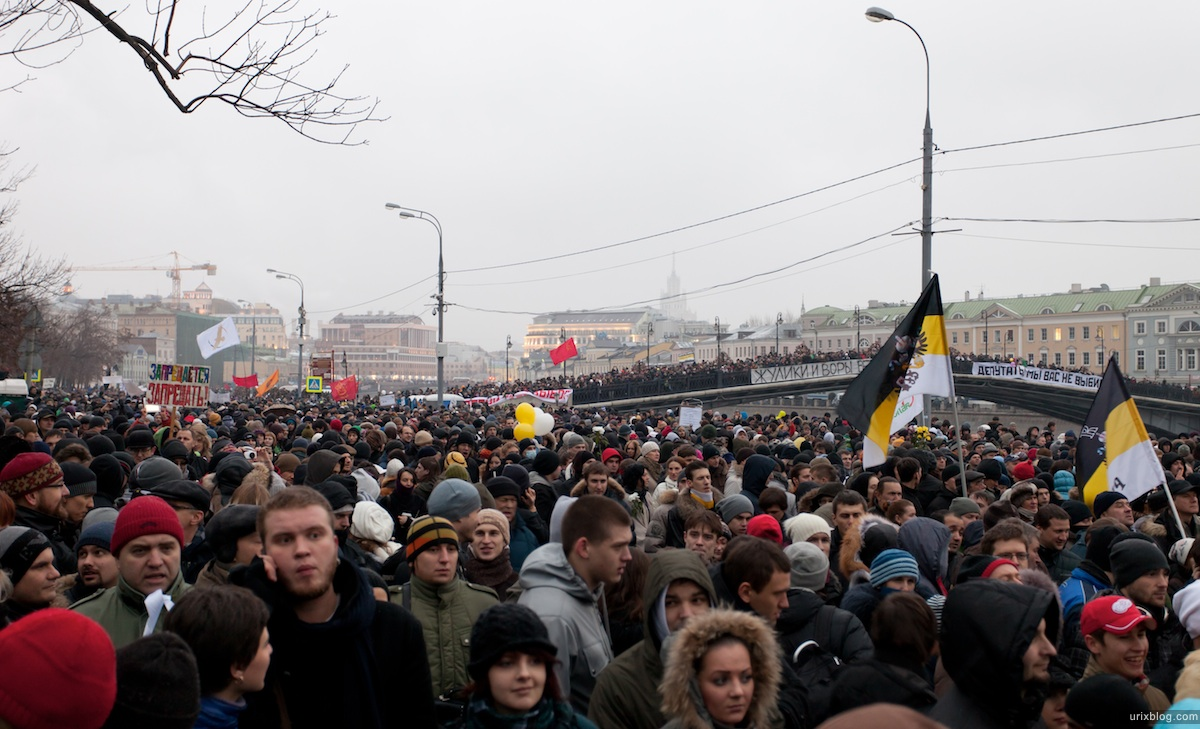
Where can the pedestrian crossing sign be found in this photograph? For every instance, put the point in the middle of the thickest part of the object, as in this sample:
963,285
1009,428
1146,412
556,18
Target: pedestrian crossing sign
315,384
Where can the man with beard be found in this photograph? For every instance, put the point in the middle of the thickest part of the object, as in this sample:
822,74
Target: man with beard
341,657
97,565
35,482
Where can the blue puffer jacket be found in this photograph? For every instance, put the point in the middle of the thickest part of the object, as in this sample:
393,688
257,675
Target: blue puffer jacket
521,542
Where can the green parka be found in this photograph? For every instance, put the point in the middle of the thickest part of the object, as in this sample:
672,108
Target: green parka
446,614
121,610
626,693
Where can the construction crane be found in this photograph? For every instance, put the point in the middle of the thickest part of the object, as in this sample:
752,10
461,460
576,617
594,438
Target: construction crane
172,273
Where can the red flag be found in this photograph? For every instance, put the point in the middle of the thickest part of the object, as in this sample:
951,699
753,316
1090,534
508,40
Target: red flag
346,389
564,352
251,381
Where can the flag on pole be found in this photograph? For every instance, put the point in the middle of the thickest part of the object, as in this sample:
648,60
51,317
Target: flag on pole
344,389
222,336
564,352
890,390
268,383
251,381
1114,452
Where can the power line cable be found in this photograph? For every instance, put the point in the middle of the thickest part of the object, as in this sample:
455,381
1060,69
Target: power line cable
377,298
640,261
682,228
1063,135
1068,159
1135,246
713,287
1139,221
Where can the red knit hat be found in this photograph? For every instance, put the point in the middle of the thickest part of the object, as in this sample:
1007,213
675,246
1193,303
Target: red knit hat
765,526
59,670
142,516
335,425
29,472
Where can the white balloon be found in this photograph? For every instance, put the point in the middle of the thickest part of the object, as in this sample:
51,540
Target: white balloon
543,422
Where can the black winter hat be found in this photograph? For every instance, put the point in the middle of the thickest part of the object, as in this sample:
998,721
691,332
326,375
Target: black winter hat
503,628
503,486
1105,700
230,472
1100,544
139,438
79,479
518,474
1132,557
111,475
1077,511
545,462
99,445
227,527
158,684
173,449
336,494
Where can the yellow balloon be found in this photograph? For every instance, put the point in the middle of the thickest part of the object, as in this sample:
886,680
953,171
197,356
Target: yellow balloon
782,414
526,414
523,431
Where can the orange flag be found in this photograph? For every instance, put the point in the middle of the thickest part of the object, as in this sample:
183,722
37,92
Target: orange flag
268,383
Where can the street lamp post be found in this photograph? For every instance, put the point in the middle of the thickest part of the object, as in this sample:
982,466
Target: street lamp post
507,349
649,333
986,339
857,331
778,323
253,334
300,346
718,321
345,365
441,291
878,15
562,338
816,335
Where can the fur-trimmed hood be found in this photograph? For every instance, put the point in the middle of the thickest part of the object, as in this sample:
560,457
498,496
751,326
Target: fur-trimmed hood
849,558
680,689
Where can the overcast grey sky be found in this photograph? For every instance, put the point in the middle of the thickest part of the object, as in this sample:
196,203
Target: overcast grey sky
533,129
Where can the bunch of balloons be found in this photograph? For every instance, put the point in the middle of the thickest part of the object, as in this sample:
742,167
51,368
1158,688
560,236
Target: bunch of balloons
532,422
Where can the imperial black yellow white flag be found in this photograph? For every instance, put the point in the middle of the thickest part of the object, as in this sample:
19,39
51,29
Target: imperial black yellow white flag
1114,452
889,392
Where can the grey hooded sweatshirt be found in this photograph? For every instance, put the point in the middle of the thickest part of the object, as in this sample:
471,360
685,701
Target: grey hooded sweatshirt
575,618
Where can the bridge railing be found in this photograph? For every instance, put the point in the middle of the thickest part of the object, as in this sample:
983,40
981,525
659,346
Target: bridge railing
682,384
688,382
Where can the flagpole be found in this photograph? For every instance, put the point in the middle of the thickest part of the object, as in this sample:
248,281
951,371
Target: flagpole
1174,510
962,454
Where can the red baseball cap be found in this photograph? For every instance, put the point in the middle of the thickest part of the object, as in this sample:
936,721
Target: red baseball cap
1113,614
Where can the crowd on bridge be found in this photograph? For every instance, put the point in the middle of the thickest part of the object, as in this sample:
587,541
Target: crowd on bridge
673,378
302,563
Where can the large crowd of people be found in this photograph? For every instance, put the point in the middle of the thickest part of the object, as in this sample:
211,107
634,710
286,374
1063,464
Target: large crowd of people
313,564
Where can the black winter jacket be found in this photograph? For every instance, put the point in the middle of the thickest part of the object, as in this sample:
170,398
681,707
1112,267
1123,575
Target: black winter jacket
365,667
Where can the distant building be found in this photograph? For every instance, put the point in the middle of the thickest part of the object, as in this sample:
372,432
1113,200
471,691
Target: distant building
387,348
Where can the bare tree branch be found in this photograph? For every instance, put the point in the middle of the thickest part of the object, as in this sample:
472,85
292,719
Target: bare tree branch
255,57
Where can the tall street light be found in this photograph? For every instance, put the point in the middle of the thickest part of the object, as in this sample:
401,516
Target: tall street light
300,363
507,349
857,331
441,292
718,324
878,15
253,333
778,323
649,333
